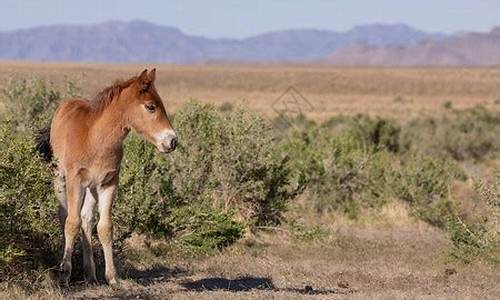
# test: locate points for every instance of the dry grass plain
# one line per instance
(393, 92)
(386, 256)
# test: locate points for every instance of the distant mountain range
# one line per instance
(139, 41)
(469, 49)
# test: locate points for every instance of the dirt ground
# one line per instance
(389, 256)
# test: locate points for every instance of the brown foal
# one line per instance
(86, 139)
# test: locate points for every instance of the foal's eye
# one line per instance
(150, 107)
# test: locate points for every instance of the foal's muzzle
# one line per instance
(169, 146)
(167, 141)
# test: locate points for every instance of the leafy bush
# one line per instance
(229, 159)
(303, 158)
(201, 228)
(148, 203)
(378, 132)
(479, 235)
(338, 169)
(28, 226)
(349, 163)
(467, 134)
(423, 182)
(303, 233)
(143, 203)
(284, 124)
(31, 103)
(354, 177)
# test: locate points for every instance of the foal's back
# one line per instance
(69, 130)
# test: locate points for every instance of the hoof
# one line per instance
(64, 275)
(64, 279)
(91, 281)
(114, 283)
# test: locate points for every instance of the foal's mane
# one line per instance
(104, 97)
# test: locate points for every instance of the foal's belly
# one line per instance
(99, 177)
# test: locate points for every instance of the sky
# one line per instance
(239, 19)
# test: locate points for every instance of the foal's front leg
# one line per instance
(76, 193)
(87, 214)
(105, 229)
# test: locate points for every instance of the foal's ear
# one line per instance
(152, 75)
(143, 75)
(143, 82)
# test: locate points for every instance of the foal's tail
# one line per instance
(43, 147)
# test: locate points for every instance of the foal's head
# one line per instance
(146, 113)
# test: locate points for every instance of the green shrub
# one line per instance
(467, 242)
(150, 203)
(303, 233)
(285, 125)
(338, 169)
(29, 229)
(201, 228)
(229, 159)
(478, 236)
(423, 182)
(378, 132)
(303, 158)
(350, 163)
(30, 104)
(355, 177)
(226, 106)
(467, 134)
(28, 210)
(144, 191)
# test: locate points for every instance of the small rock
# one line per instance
(450, 271)
(343, 284)
(308, 289)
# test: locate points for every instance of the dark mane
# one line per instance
(104, 97)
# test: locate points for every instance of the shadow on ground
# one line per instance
(155, 274)
(248, 283)
(160, 274)
(235, 285)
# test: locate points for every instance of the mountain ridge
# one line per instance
(465, 49)
(141, 41)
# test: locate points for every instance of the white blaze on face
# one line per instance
(166, 140)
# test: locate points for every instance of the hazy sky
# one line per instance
(231, 18)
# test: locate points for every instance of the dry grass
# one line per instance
(391, 257)
(354, 261)
(394, 92)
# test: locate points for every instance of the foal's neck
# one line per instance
(110, 127)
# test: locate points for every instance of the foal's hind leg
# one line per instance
(76, 193)
(87, 215)
(60, 192)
